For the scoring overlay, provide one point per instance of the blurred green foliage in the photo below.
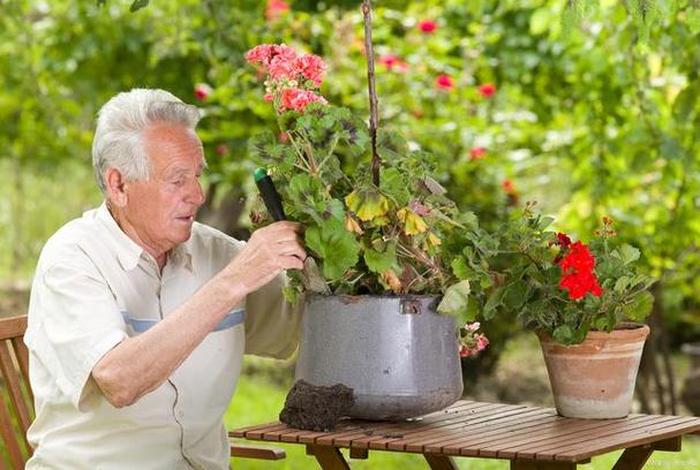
(595, 110)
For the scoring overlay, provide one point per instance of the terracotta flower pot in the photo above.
(595, 379)
(691, 386)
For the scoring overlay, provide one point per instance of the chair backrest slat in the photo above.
(9, 437)
(16, 418)
(12, 378)
(22, 355)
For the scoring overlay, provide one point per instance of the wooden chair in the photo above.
(16, 401)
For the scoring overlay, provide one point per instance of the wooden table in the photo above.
(530, 437)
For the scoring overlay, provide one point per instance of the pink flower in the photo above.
(481, 342)
(202, 91)
(275, 9)
(477, 153)
(487, 90)
(311, 67)
(264, 54)
(283, 63)
(297, 100)
(393, 62)
(473, 326)
(444, 82)
(464, 351)
(417, 207)
(221, 149)
(427, 26)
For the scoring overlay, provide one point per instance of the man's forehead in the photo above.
(173, 147)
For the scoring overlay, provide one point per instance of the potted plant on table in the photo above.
(585, 301)
(383, 233)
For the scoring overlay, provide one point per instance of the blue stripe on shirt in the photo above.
(233, 318)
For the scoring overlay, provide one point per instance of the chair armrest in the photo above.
(248, 451)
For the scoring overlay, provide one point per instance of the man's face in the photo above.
(162, 209)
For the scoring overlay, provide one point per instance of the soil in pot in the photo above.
(316, 408)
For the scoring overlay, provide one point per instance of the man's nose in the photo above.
(195, 193)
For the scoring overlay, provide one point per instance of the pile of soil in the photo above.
(316, 408)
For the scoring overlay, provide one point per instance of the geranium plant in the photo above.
(551, 283)
(374, 226)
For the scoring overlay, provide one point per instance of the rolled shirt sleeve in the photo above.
(75, 321)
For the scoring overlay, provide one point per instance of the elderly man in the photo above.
(139, 316)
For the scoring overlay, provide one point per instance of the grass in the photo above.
(259, 400)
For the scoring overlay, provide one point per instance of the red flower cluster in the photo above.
(577, 266)
(508, 186)
(275, 9)
(477, 153)
(487, 90)
(202, 91)
(290, 75)
(444, 82)
(427, 26)
(393, 63)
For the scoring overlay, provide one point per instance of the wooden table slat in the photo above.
(309, 437)
(558, 429)
(555, 444)
(463, 418)
(453, 446)
(417, 441)
(673, 429)
(561, 429)
(265, 433)
(361, 439)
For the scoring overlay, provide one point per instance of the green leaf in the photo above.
(138, 4)
(334, 245)
(455, 300)
(494, 301)
(544, 221)
(461, 269)
(379, 262)
(515, 294)
(393, 184)
(563, 334)
(639, 307)
(629, 254)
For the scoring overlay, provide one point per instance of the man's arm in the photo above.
(140, 364)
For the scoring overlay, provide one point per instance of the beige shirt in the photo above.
(93, 287)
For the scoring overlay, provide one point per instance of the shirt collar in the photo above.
(129, 252)
(181, 255)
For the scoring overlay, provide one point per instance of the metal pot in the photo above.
(398, 355)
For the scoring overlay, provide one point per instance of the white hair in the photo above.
(121, 122)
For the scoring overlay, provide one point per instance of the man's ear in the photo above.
(116, 187)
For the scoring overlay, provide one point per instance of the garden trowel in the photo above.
(313, 280)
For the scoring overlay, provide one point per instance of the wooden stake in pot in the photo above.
(373, 103)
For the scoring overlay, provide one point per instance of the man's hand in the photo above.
(269, 251)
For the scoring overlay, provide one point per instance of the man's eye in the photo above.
(178, 182)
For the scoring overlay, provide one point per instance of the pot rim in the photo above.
(357, 297)
(624, 331)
